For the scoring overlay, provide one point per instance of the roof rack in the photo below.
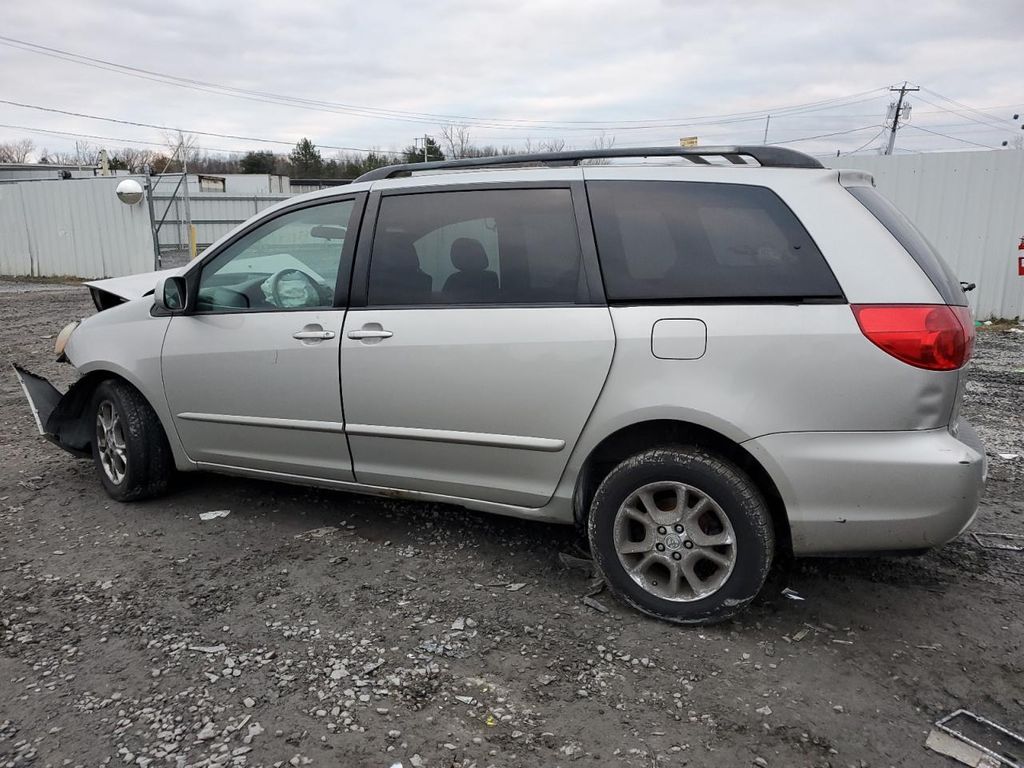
(766, 157)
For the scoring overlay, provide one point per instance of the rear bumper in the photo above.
(862, 492)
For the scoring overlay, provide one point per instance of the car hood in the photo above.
(116, 290)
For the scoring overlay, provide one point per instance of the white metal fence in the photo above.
(213, 215)
(970, 205)
(74, 227)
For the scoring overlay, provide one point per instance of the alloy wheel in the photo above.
(113, 451)
(675, 541)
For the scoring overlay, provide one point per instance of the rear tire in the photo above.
(681, 534)
(129, 446)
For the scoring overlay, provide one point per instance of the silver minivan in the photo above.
(706, 361)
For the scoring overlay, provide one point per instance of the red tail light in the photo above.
(936, 337)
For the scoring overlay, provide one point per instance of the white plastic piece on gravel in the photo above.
(214, 514)
(208, 648)
(1009, 456)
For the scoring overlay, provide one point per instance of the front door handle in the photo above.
(313, 335)
(370, 333)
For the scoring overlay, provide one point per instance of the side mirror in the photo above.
(171, 294)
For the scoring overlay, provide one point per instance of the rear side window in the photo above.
(927, 258)
(675, 240)
(492, 246)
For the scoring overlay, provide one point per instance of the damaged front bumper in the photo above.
(58, 416)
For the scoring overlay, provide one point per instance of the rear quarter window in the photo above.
(914, 243)
(677, 240)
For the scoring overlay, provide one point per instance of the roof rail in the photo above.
(766, 156)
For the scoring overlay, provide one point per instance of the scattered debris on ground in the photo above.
(976, 741)
(214, 514)
(1003, 541)
(321, 628)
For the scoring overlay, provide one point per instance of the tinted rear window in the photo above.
(491, 246)
(675, 240)
(927, 258)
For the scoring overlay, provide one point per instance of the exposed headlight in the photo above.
(62, 338)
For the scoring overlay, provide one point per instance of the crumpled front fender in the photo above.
(59, 417)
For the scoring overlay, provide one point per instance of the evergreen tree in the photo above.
(414, 154)
(258, 162)
(306, 160)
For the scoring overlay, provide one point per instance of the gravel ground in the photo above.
(319, 628)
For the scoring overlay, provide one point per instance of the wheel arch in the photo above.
(74, 432)
(633, 438)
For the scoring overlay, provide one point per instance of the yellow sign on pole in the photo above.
(688, 141)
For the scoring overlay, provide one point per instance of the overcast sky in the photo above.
(531, 68)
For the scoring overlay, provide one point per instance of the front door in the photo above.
(251, 373)
(479, 354)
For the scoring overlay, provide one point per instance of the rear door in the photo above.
(480, 344)
(251, 373)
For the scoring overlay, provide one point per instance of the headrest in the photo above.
(468, 255)
(398, 253)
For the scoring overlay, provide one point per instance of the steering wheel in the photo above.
(275, 283)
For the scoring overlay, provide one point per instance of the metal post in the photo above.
(180, 245)
(425, 137)
(188, 210)
(767, 120)
(152, 221)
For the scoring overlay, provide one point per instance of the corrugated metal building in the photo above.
(234, 183)
(970, 205)
(33, 171)
(74, 227)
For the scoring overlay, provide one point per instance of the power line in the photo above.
(954, 138)
(968, 108)
(404, 116)
(45, 131)
(869, 141)
(988, 122)
(826, 135)
(187, 130)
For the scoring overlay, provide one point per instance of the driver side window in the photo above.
(290, 262)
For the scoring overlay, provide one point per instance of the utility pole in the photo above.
(767, 120)
(416, 143)
(896, 112)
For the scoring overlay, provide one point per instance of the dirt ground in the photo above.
(319, 628)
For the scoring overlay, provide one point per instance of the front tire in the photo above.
(129, 447)
(681, 534)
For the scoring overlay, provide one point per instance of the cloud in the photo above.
(565, 63)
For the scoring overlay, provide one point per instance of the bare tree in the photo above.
(86, 154)
(456, 140)
(552, 145)
(16, 151)
(604, 141)
(182, 146)
(56, 158)
(134, 159)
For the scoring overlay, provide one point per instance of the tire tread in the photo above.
(746, 490)
(147, 444)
